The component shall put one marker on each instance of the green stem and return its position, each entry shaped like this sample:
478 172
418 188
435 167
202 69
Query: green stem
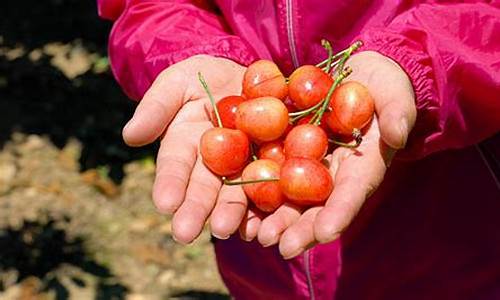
330 62
355 46
338 80
332 59
212 101
305 111
227 182
334 64
326 44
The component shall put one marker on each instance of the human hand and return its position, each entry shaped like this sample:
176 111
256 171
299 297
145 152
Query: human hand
174 110
357 172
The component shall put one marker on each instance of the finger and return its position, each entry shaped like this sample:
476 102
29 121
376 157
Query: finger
156 109
332 220
251 224
201 194
354 182
300 236
228 212
272 226
176 159
396 117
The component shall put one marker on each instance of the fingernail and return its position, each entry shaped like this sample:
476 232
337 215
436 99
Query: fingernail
329 238
294 253
220 237
268 244
403 127
177 241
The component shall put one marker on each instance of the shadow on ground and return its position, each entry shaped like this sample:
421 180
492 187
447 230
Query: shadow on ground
39 250
36 97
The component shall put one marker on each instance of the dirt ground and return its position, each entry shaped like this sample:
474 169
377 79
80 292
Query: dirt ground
76 217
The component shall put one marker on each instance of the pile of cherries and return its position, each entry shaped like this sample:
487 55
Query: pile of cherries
277 133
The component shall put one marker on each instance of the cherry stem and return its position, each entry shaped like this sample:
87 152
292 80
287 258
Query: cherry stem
212 101
335 59
299 114
227 182
332 59
358 138
330 62
355 46
328 46
338 80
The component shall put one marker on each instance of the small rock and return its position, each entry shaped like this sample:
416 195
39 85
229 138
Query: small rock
144 224
142 297
8 171
32 143
70 155
150 253
30 289
166 277
104 185
35 55
166 228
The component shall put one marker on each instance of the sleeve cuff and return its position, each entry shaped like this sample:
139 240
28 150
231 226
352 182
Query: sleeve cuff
412 59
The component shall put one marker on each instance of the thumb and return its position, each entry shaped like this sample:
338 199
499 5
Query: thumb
392 91
396 115
156 109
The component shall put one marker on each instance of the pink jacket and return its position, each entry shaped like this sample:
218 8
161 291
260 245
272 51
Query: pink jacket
432 230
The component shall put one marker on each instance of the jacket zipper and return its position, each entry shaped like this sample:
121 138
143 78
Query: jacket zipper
290 33
307 267
295 61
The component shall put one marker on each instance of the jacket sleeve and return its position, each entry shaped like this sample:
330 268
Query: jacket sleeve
451 52
150 35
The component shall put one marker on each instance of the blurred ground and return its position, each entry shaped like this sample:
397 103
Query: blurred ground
76 219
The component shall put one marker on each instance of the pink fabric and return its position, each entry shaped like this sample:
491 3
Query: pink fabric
431 230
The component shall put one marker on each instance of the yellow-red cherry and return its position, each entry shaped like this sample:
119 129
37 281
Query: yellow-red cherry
267 195
224 151
308 85
306 141
305 181
262 119
227 108
264 78
351 107
272 150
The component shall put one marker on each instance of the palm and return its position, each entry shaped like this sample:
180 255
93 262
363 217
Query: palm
176 110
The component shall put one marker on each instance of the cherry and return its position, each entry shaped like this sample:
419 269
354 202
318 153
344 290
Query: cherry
267 195
227 108
352 108
305 181
290 105
263 119
308 85
264 78
307 141
224 151
273 151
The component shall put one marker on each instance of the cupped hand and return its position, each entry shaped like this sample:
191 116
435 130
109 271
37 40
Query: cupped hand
357 172
175 110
